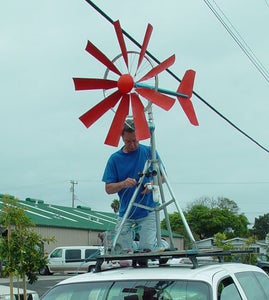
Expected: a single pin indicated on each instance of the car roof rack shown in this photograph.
(141, 258)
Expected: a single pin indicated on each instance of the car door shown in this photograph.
(226, 287)
(56, 260)
(73, 260)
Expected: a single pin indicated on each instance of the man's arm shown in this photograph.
(114, 187)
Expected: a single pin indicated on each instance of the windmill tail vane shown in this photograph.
(124, 89)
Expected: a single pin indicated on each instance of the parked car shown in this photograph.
(263, 263)
(5, 293)
(70, 259)
(218, 281)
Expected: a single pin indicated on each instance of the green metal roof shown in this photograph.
(48, 215)
(81, 217)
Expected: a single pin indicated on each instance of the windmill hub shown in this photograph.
(125, 83)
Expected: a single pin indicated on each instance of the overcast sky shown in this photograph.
(43, 143)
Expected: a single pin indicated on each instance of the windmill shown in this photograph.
(130, 88)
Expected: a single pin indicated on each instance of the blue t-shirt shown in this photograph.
(122, 165)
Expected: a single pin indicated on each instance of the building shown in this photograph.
(260, 247)
(72, 226)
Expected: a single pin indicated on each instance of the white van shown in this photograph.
(71, 259)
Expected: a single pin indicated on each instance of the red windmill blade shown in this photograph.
(94, 84)
(159, 68)
(141, 126)
(95, 52)
(121, 41)
(186, 87)
(92, 115)
(157, 98)
(144, 45)
(114, 132)
(125, 91)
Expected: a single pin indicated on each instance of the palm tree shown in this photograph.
(115, 205)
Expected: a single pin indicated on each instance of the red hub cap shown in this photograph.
(125, 83)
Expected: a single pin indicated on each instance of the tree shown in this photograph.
(261, 226)
(215, 216)
(249, 258)
(220, 202)
(22, 248)
(230, 205)
(115, 205)
(208, 216)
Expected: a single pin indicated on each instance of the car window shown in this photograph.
(57, 253)
(132, 290)
(89, 253)
(227, 290)
(254, 284)
(72, 255)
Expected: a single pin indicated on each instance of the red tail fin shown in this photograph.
(186, 87)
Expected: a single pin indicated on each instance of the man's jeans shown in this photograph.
(147, 234)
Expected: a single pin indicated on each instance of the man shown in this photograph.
(121, 176)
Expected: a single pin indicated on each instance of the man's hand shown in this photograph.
(128, 182)
(147, 188)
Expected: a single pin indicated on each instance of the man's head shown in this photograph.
(128, 137)
(128, 126)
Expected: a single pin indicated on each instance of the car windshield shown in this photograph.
(132, 290)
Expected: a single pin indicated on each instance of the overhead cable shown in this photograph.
(238, 38)
(101, 12)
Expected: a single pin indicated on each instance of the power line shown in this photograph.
(101, 12)
(223, 183)
(238, 39)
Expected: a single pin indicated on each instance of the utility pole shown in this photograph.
(72, 190)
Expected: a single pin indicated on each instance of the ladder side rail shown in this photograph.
(157, 177)
(163, 205)
(186, 225)
(157, 181)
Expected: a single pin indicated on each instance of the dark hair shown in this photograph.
(128, 126)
